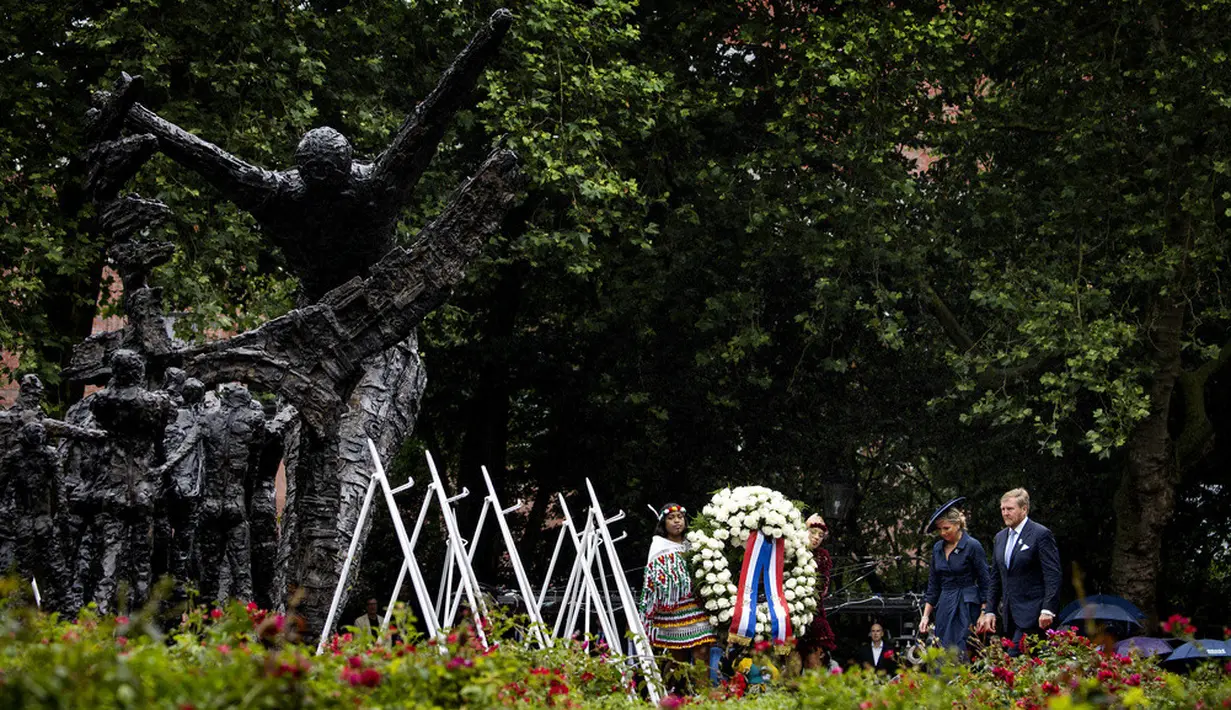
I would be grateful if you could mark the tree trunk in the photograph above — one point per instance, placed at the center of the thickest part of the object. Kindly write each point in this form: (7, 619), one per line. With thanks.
(485, 442)
(1145, 500)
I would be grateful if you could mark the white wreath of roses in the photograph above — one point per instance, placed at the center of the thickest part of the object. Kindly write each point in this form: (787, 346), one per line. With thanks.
(716, 552)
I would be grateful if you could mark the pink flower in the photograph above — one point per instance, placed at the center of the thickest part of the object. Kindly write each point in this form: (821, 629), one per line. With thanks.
(224, 649)
(355, 662)
(120, 620)
(1134, 679)
(370, 678)
(121, 641)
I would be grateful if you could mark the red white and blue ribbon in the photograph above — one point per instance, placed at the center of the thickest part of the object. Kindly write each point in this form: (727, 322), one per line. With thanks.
(762, 571)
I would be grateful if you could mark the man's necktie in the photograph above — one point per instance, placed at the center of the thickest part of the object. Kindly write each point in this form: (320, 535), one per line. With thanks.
(1008, 550)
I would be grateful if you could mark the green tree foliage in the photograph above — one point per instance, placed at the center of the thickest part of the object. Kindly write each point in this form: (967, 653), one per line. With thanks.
(1078, 226)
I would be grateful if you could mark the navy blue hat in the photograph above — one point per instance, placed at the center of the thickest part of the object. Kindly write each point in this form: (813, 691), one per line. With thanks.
(941, 511)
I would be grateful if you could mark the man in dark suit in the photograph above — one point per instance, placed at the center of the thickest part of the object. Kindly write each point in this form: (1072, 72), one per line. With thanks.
(877, 654)
(1026, 572)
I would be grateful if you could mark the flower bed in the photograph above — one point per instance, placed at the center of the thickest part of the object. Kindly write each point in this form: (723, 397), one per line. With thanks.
(243, 657)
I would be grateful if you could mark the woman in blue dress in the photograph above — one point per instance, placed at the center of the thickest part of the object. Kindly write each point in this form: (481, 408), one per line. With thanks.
(959, 584)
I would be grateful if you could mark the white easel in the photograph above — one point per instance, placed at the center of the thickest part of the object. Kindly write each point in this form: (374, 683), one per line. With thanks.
(641, 642)
(595, 554)
(533, 609)
(425, 603)
(457, 563)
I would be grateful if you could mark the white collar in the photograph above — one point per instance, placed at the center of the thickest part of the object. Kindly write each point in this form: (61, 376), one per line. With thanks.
(1021, 526)
(660, 546)
(878, 645)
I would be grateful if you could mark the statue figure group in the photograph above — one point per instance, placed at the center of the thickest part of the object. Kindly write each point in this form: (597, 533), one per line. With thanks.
(158, 474)
(137, 476)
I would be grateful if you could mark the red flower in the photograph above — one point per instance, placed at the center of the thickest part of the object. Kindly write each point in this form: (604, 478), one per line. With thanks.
(670, 702)
(119, 620)
(587, 677)
(215, 614)
(1005, 675)
(1050, 688)
(761, 646)
(1134, 679)
(888, 653)
(1177, 624)
(355, 662)
(224, 649)
(121, 641)
(370, 678)
(1006, 643)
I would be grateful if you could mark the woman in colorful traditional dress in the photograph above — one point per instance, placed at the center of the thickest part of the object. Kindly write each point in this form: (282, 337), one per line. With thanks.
(818, 640)
(959, 582)
(674, 621)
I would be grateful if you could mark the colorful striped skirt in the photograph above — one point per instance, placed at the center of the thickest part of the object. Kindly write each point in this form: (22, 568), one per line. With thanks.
(683, 625)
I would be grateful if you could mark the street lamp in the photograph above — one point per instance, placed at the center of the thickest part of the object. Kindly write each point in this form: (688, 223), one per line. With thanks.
(838, 498)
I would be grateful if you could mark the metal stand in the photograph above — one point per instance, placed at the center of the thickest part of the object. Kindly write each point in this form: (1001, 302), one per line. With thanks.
(379, 480)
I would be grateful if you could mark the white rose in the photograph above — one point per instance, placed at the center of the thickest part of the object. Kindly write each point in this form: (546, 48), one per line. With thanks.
(722, 533)
(709, 564)
(711, 605)
(726, 614)
(711, 578)
(699, 573)
(724, 576)
(713, 621)
(789, 594)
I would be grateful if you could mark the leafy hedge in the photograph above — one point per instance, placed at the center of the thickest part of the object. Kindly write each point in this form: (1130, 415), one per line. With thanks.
(241, 656)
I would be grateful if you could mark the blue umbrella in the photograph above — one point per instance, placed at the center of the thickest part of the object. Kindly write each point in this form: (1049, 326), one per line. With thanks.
(1198, 649)
(1144, 645)
(1104, 599)
(1100, 612)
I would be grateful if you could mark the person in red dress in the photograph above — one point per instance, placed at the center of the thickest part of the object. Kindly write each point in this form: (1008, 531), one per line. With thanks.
(818, 641)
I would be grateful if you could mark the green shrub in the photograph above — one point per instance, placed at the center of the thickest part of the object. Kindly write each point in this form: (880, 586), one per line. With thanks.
(240, 656)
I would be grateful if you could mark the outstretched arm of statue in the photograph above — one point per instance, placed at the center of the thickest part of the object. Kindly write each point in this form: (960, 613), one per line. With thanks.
(414, 144)
(247, 185)
(57, 429)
